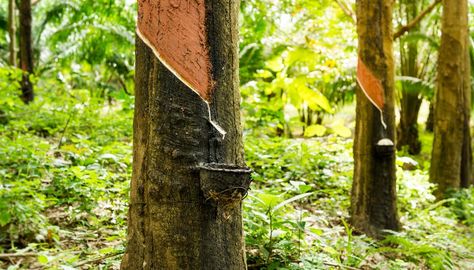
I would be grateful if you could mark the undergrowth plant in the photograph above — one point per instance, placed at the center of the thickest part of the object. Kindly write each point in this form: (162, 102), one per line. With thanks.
(62, 172)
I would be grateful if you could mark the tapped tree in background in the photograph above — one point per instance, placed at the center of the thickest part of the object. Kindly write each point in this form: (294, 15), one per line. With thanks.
(451, 158)
(373, 198)
(26, 50)
(171, 223)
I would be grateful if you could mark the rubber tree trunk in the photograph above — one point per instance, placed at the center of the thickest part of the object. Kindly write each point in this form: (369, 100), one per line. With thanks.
(451, 156)
(26, 50)
(407, 131)
(12, 32)
(373, 201)
(171, 224)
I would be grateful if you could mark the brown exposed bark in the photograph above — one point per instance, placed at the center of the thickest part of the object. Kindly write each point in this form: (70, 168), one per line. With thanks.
(171, 224)
(26, 50)
(12, 32)
(373, 201)
(176, 32)
(451, 156)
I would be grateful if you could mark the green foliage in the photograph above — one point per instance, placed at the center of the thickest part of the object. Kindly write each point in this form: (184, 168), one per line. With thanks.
(430, 227)
(462, 204)
(20, 194)
(61, 167)
(311, 231)
(9, 85)
(293, 73)
(275, 237)
(302, 164)
(54, 196)
(415, 85)
(280, 217)
(86, 44)
(435, 258)
(415, 37)
(419, 44)
(65, 160)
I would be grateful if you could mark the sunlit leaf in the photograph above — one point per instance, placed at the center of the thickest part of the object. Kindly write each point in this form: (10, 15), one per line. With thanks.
(275, 64)
(269, 200)
(290, 200)
(299, 92)
(342, 131)
(315, 130)
(5, 217)
(300, 55)
(264, 74)
(106, 250)
(43, 259)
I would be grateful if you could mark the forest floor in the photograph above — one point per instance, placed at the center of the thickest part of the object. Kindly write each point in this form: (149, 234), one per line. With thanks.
(66, 166)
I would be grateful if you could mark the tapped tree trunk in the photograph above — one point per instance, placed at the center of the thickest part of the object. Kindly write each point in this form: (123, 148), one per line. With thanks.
(12, 32)
(373, 198)
(451, 157)
(171, 223)
(26, 50)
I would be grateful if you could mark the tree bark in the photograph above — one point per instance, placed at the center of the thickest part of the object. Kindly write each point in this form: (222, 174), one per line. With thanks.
(430, 120)
(373, 201)
(12, 32)
(407, 131)
(408, 128)
(171, 224)
(451, 155)
(26, 50)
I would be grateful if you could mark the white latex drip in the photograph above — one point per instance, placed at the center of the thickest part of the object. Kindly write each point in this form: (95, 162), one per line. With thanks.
(381, 120)
(215, 124)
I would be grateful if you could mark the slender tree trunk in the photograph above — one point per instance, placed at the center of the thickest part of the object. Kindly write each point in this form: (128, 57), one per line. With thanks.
(407, 130)
(171, 224)
(408, 127)
(12, 32)
(26, 50)
(451, 156)
(430, 120)
(373, 201)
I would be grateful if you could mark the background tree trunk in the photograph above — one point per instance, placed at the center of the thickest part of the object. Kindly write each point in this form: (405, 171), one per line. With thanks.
(373, 201)
(451, 156)
(26, 50)
(430, 120)
(407, 130)
(12, 32)
(171, 224)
